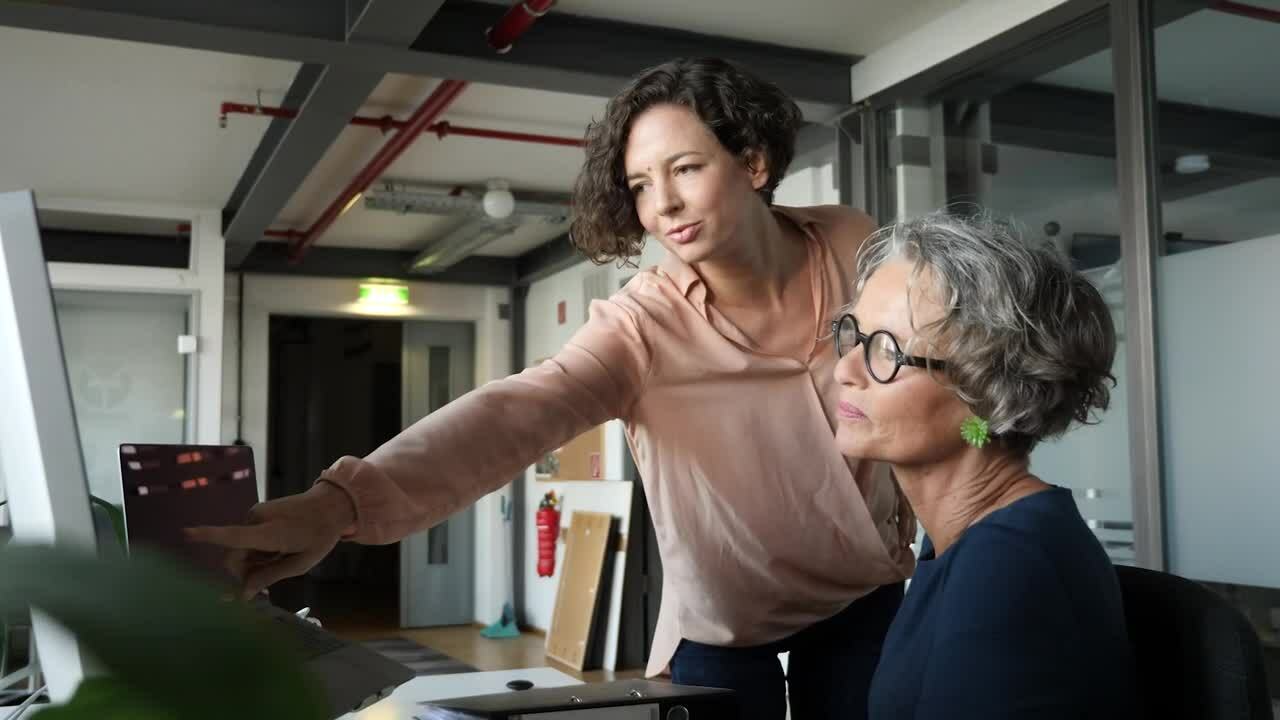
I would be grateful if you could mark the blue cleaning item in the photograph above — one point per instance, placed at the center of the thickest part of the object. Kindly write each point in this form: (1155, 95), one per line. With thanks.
(505, 627)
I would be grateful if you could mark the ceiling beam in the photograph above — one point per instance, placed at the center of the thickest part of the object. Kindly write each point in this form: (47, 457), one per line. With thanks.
(1070, 31)
(304, 81)
(103, 248)
(546, 260)
(562, 53)
(289, 30)
(589, 56)
(272, 258)
(315, 19)
(329, 97)
(1241, 146)
(1175, 187)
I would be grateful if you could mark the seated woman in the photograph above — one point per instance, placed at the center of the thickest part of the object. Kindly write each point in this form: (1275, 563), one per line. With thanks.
(965, 347)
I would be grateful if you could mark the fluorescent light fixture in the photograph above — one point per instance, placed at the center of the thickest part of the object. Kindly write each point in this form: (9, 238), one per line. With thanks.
(383, 294)
(354, 199)
(444, 252)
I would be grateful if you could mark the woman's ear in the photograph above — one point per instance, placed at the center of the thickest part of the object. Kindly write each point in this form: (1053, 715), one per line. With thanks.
(757, 168)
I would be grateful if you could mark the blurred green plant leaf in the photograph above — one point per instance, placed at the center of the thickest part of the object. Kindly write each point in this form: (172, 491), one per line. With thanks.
(116, 515)
(172, 647)
(106, 698)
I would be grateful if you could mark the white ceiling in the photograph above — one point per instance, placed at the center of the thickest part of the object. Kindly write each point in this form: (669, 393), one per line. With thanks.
(109, 120)
(454, 160)
(129, 122)
(1207, 58)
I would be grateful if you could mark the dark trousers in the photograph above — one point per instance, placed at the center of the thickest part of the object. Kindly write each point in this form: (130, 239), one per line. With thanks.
(828, 671)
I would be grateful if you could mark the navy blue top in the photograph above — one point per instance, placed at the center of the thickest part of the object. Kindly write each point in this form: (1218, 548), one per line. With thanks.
(1020, 618)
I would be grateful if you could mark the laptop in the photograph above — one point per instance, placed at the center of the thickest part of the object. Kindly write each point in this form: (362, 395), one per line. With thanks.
(170, 487)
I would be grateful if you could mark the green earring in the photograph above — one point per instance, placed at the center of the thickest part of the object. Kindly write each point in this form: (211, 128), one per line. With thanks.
(975, 431)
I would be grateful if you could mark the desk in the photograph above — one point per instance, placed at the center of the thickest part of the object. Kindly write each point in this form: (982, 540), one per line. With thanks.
(403, 704)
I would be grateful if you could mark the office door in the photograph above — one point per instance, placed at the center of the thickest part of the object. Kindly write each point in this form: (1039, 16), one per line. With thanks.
(437, 565)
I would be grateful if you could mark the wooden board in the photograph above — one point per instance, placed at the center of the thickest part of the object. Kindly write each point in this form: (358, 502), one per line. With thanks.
(578, 596)
(582, 458)
(612, 497)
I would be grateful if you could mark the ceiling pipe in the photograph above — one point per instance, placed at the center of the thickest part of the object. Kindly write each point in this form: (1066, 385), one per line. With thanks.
(439, 100)
(386, 124)
(510, 27)
(1246, 10)
(514, 24)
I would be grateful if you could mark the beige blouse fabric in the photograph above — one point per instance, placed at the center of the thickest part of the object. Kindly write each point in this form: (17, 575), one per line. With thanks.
(764, 528)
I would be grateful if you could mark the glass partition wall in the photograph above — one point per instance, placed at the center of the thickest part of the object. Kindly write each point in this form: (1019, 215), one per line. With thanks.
(1142, 140)
(1038, 152)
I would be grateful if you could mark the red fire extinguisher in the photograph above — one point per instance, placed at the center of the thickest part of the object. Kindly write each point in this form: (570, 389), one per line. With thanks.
(548, 521)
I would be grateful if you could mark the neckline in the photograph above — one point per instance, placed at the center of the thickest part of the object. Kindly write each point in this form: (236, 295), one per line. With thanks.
(1051, 491)
(815, 266)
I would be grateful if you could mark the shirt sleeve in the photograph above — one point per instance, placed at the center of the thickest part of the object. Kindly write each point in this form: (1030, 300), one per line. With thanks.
(481, 441)
(1003, 648)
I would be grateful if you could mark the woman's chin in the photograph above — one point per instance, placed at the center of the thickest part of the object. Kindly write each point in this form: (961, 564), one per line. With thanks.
(853, 443)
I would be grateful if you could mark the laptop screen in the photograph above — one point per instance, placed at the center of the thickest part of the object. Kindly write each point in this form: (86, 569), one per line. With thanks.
(170, 487)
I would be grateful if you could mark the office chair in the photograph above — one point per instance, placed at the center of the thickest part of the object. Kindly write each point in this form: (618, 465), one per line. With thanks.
(1197, 656)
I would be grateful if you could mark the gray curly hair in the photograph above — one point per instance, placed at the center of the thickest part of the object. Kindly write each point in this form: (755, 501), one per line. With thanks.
(1028, 342)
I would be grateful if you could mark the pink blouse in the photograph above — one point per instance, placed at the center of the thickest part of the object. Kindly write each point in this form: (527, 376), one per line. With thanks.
(764, 528)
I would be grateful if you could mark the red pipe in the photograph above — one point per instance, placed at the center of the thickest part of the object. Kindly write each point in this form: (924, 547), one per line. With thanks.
(442, 128)
(386, 123)
(517, 19)
(1249, 11)
(440, 99)
(516, 22)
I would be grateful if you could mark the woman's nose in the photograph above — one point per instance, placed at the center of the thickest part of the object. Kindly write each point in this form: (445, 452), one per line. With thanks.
(850, 370)
(669, 202)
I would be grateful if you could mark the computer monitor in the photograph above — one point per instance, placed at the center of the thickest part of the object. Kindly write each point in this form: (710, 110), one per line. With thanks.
(167, 488)
(39, 443)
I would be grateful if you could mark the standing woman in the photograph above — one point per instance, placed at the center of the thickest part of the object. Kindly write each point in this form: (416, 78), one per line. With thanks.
(719, 363)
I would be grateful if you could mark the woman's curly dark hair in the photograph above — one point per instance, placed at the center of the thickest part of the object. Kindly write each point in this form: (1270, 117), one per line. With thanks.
(744, 112)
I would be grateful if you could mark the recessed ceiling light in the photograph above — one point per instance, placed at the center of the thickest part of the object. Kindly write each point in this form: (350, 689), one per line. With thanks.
(1191, 164)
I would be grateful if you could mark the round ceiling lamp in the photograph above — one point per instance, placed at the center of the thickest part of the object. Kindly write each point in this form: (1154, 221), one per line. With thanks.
(498, 201)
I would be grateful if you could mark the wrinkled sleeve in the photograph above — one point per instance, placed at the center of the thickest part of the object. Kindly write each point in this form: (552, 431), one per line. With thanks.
(481, 441)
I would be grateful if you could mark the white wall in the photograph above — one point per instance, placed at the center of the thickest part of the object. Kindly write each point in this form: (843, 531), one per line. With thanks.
(812, 186)
(265, 295)
(1218, 340)
(203, 282)
(940, 39)
(128, 382)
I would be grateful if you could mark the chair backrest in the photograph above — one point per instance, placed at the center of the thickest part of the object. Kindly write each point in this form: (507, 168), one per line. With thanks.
(1197, 656)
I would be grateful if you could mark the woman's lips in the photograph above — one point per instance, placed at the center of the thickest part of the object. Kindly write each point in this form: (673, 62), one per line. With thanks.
(849, 411)
(684, 234)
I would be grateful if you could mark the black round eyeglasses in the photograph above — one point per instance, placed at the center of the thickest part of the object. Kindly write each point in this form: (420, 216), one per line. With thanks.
(881, 351)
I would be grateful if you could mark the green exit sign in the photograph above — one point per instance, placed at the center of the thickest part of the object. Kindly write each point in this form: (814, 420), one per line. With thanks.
(383, 294)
